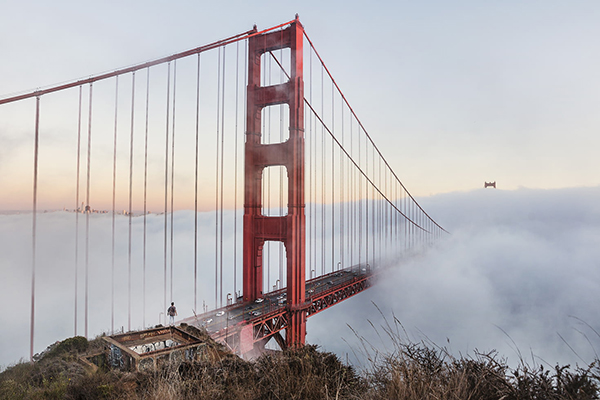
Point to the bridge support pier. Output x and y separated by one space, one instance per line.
289 229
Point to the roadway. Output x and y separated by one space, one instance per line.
241 313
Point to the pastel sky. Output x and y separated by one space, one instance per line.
454 93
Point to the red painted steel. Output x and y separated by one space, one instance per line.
289 229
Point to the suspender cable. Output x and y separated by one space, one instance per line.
360 204
322 179
166 190
281 111
235 167
349 203
364 173
217 153
88 210
366 133
367 201
196 186
130 200
265 137
112 285
34 224
332 185
222 181
268 185
311 202
145 198
245 97
342 194
187 53
77 208
173 173
373 218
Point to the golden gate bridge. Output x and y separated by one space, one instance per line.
256 121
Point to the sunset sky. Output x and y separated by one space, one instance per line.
454 93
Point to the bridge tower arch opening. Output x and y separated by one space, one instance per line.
289 228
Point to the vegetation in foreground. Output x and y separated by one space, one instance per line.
409 371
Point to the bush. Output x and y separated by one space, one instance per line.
410 371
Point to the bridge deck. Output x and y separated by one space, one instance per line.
267 317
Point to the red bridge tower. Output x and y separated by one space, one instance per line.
290 228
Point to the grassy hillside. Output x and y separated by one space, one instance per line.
410 371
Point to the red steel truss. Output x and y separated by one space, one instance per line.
289 229
270 325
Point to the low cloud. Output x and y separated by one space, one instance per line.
518 273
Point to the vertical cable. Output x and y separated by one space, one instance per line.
351 204
34 224
222 181
114 186
217 153
173 174
367 201
373 208
332 181
130 212
166 190
268 185
77 208
145 198
342 192
245 97
281 111
311 145
322 178
88 211
196 186
235 166
360 203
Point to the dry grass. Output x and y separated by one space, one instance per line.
409 371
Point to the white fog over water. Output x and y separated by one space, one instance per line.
519 273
